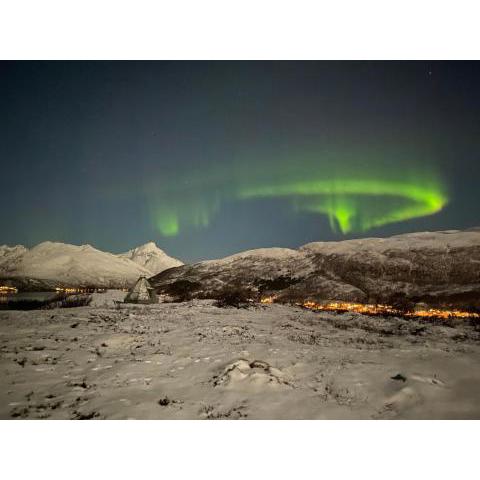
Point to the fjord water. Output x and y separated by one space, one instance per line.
8 300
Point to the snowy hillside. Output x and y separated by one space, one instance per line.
9 257
57 264
151 257
434 267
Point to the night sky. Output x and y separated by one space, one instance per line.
211 158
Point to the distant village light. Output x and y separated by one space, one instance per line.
4 289
378 309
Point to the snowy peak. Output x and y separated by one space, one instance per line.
151 257
149 247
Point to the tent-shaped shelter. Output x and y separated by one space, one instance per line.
141 292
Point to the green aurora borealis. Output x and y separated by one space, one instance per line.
355 195
208 158
347 201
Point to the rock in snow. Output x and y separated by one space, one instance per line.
51 264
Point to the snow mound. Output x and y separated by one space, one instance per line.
246 375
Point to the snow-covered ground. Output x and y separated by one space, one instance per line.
196 361
107 299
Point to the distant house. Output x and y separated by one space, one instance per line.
141 292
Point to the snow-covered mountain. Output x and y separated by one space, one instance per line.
434 267
9 256
151 257
51 264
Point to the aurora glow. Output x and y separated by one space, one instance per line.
343 200
212 158
354 199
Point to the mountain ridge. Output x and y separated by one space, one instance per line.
55 264
435 267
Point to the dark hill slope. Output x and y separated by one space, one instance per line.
440 268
